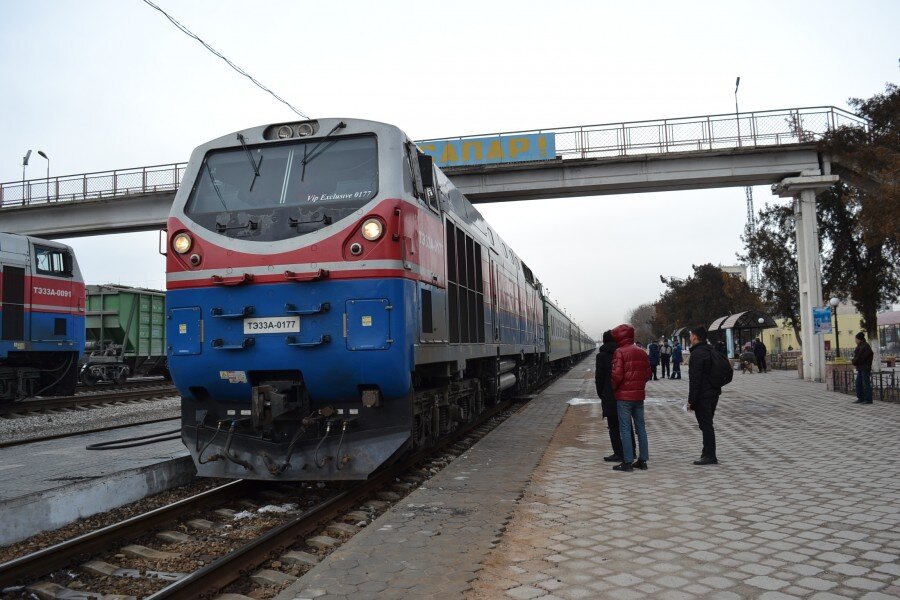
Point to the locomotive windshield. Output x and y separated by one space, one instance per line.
273 192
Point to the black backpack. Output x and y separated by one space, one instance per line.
720 371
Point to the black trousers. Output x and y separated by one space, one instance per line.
653 368
615 437
664 363
704 410
761 363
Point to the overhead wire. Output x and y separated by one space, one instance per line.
189 33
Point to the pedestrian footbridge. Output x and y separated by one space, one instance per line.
758 148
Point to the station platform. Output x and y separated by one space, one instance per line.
50 484
804 504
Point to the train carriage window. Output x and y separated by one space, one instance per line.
52 261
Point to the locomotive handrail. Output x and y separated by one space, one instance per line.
291 309
707 132
221 314
320 274
219 344
323 339
232 281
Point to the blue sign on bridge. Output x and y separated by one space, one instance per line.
487 150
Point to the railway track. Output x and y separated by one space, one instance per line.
87 399
332 503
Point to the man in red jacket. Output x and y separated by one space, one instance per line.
630 372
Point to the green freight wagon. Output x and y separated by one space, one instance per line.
125 333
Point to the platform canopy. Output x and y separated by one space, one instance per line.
749 319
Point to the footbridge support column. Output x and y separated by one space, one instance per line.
803 190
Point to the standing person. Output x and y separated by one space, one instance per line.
602 374
630 372
653 354
759 349
677 358
665 355
862 360
702 395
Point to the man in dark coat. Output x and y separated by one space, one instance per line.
759 349
677 358
630 372
653 355
602 374
665 355
702 395
862 360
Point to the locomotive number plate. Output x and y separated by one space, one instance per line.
272 325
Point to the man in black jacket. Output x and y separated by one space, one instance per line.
862 360
759 349
702 395
602 372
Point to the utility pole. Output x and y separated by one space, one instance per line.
751 230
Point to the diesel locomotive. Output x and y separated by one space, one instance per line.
333 300
41 318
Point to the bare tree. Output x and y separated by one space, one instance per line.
643 318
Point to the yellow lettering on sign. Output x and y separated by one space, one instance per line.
518 145
542 145
367 321
449 155
476 146
495 150
428 148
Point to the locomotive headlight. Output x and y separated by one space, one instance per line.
372 229
182 243
284 132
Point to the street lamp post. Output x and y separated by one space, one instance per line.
41 153
837 333
737 113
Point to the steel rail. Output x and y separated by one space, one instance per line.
42 562
30 406
57 436
215 576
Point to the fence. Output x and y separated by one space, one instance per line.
689 134
884 385
102 184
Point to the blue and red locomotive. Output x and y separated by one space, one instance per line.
41 317
333 300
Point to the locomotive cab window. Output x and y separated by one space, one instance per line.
52 261
277 191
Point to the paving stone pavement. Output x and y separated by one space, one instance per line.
805 503
433 542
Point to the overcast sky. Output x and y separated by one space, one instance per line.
104 84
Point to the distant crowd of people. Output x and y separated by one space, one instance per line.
623 368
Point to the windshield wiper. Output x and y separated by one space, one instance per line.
307 158
215 185
253 164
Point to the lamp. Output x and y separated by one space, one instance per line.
41 153
837 332
737 114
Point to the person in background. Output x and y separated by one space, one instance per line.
862 360
665 355
630 373
653 355
720 348
602 374
677 358
759 349
748 359
702 395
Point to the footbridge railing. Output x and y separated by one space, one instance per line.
688 134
